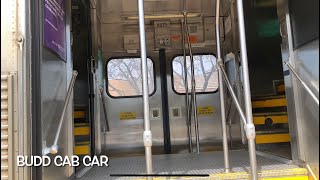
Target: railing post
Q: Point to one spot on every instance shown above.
(233, 95)
(221, 90)
(250, 128)
(147, 135)
(185, 66)
(193, 101)
(54, 148)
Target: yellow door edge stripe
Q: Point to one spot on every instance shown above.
(79, 114)
(269, 103)
(276, 119)
(272, 138)
(81, 150)
(80, 131)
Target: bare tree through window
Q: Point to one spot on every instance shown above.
(125, 78)
(206, 75)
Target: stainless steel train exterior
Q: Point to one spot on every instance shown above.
(37, 82)
(301, 106)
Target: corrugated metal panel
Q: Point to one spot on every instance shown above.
(6, 126)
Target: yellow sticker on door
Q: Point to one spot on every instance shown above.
(128, 115)
(205, 110)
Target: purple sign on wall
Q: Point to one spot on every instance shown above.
(54, 34)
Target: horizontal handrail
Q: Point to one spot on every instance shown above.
(54, 148)
(314, 97)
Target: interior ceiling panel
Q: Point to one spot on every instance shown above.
(151, 7)
(112, 11)
(114, 26)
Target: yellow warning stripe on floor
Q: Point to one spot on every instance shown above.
(282, 174)
(80, 131)
(276, 119)
(82, 150)
(229, 178)
(272, 138)
(289, 178)
(269, 103)
(79, 114)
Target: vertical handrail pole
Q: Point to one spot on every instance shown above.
(107, 127)
(188, 120)
(193, 88)
(236, 58)
(221, 90)
(250, 128)
(147, 135)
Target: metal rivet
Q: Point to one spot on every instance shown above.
(20, 39)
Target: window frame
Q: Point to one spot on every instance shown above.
(172, 80)
(129, 57)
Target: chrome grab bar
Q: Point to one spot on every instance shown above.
(101, 89)
(147, 134)
(247, 119)
(250, 128)
(233, 94)
(54, 148)
(314, 97)
(183, 30)
(193, 102)
(221, 92)
(107, 127)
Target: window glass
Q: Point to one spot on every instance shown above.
(125, 78)
(206, 74)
